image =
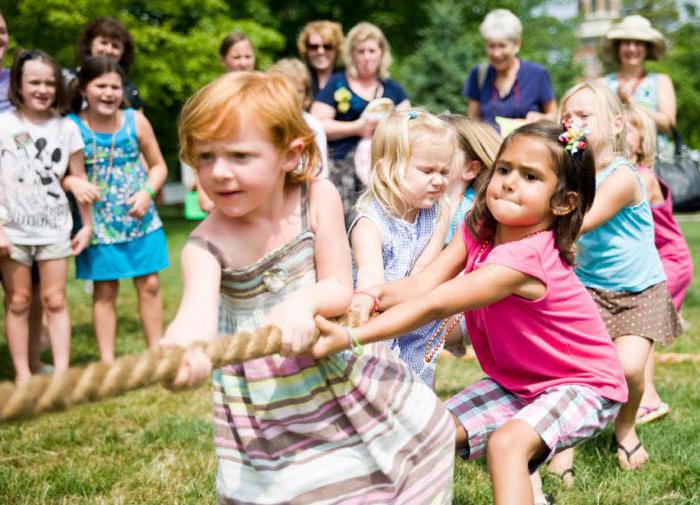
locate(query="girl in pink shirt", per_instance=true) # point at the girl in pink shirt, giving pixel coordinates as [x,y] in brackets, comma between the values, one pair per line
[554,378]
[668,238]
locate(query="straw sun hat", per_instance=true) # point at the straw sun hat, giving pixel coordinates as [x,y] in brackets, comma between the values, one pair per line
[637,27]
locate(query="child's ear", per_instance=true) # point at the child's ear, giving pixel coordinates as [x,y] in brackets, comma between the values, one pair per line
[618,125]
[470,170]
[565,205]
[292,155]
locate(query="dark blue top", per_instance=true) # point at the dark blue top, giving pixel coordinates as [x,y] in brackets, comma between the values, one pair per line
[339,149]
[530,92]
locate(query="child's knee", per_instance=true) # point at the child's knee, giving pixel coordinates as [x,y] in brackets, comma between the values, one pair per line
[149,285]
[54,302]
[19,302]
[503,441]
[634,374]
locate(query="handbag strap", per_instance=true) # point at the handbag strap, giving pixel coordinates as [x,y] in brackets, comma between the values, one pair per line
[677,140]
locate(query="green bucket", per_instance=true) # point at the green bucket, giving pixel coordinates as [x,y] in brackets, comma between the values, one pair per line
[192,210]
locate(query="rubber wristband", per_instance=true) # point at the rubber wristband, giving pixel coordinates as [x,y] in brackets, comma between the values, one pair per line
[375,300]
[148,189]
[355,344]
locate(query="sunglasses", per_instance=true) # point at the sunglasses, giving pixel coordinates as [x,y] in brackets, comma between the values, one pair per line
[316,47]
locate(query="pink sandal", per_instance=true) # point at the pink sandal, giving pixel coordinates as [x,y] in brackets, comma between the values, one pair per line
[647,414]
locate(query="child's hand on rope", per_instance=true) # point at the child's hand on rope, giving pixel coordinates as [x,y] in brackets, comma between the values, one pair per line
[296,320]
[333,338]
[364,304]
[194,370]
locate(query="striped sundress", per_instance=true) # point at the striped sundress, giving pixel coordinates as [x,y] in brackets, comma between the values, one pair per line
[345,429]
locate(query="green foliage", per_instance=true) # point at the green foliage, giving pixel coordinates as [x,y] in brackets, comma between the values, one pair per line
[434,74]
[680,63]
[398,19]
[450,45]
[176,45]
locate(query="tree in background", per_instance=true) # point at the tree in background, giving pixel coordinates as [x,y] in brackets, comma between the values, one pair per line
[176,43]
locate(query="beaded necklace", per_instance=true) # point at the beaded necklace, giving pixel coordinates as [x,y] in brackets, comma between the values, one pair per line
[436,341]
[94,149]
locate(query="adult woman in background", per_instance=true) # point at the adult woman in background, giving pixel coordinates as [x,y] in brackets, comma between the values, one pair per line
[507,87]
[320,44]
[339,106]
[630,43]
[237,53]
[108,37]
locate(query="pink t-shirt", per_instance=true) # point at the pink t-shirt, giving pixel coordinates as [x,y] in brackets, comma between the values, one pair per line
[528,346]
[670,242]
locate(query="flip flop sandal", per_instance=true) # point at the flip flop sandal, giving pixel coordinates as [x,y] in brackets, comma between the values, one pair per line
[648,414]
[628,452]
[566,477]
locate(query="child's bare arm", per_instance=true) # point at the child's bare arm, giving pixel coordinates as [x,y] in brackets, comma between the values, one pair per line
[81,240]
[83,190]
[436,243]
[157,169]
[476,289]
[619,190]
[196,318]
[366,245]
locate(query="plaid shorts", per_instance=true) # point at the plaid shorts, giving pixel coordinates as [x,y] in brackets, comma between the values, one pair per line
[562,416]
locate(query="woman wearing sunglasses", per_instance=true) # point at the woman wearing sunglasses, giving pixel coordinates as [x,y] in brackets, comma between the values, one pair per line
[319,45]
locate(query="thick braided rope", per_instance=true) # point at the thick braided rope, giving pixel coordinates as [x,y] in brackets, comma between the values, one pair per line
[97,381]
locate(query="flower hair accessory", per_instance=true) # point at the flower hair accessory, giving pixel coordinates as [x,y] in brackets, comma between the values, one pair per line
[574,138]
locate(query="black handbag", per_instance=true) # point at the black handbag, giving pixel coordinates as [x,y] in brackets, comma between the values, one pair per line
[682,175]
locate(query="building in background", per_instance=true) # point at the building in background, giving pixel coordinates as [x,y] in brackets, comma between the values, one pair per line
[598,16]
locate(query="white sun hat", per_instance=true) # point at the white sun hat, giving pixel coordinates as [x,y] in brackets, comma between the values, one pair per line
[636,27]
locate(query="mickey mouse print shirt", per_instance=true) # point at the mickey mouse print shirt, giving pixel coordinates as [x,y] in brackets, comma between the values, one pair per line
[33,160]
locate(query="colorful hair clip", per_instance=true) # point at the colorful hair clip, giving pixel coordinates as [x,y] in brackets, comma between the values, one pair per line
[574,138]
[412,114]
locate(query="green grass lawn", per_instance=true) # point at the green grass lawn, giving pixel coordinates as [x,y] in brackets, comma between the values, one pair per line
[153,446]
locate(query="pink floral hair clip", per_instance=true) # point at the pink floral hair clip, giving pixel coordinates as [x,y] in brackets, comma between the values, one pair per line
[574,136]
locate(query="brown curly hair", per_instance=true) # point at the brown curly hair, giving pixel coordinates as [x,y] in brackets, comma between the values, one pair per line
[111,29]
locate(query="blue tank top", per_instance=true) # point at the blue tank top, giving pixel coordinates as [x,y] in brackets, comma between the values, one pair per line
[620,255]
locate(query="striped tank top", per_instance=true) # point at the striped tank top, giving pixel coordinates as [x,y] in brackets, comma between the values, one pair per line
[344,429]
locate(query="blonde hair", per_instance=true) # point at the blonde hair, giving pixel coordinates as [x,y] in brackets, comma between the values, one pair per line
[608,107]
[218,110]
[362,32]
[640,119]
[294,69]
[501,24]
[391,152]
[328,30]
[476,139]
